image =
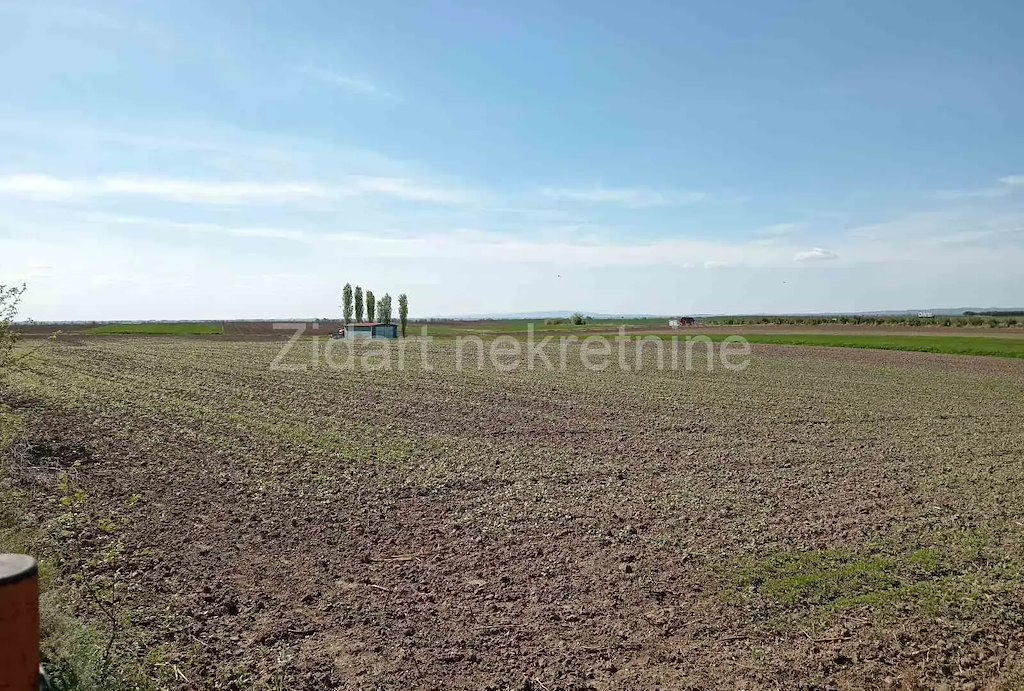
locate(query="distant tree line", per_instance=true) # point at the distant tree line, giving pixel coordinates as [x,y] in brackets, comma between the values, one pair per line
[866,320]
[376,310]
[576,319]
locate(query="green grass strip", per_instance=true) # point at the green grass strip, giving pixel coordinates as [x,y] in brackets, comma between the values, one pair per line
[951,345]
[155,330]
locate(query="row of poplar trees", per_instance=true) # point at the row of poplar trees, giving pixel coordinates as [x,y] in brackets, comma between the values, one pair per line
[376,310]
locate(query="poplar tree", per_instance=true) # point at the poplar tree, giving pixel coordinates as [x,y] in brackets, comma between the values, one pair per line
[346,302]
[403,311]
[371,306]
[384,309]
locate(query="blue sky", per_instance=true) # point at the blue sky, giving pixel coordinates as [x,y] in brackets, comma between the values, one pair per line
[245,159]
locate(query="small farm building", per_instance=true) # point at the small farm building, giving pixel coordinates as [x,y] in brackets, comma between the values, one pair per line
[371,330]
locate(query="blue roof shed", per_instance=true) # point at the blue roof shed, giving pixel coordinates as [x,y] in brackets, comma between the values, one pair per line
[361,330]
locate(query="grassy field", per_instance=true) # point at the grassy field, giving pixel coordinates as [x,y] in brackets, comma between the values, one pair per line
[813,521]
[155,329]
[981,342]
[952,345]
[520,326]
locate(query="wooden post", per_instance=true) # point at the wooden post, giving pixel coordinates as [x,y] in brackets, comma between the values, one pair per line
[19,623]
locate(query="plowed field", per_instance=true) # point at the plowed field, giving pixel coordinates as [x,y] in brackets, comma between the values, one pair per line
[824,519]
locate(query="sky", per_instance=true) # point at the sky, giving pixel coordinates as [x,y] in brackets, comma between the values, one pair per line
[247,158]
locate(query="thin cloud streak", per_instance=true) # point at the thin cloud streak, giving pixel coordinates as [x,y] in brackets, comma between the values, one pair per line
[930,238]
[478,245]
[633,198]
[52,15]
[1007,186]
[49,188]
[257,232]
[344,82]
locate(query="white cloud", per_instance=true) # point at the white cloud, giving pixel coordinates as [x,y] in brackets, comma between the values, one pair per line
[634,198]
[470,244]
[40,187]
[409,190]
[44,187]
[25,273]
[1006,186]
[935,229]
[469,270]
[984,193]
[355,85]
[228,149]
[209,192]
[929,237]
[256,232]
[817,254]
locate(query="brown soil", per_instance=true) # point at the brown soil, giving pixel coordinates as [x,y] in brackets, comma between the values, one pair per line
[463,530]
[233,330]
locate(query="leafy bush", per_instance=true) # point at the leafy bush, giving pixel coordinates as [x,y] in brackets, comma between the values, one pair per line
[10,296]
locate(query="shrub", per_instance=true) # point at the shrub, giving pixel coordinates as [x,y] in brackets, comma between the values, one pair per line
[10,296]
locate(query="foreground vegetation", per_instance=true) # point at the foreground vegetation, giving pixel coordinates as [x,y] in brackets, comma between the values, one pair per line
[76,631]
[950,574]
[76,654]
